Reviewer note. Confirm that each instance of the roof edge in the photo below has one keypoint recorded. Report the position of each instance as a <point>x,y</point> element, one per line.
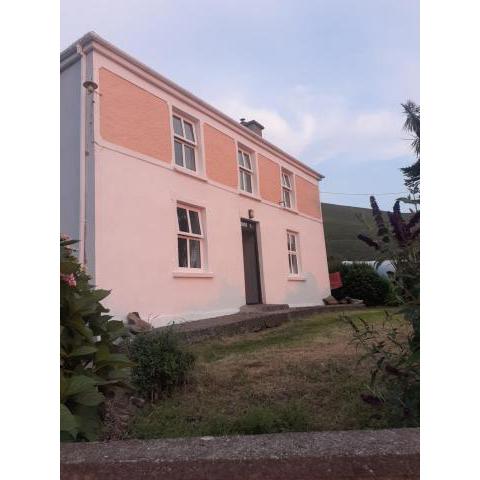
<point>94,37</point>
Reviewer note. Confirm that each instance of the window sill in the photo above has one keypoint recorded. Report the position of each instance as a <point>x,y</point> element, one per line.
<point>191,173</point>
<point>251,196</point>
<point>191,274</point>
<point>296,278</point>
<point>291,210</point>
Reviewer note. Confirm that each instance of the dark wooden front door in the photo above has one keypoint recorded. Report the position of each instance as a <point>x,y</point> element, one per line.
<point>250,262</point>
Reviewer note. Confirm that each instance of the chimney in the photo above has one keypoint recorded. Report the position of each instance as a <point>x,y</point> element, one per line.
<point>253,125</point>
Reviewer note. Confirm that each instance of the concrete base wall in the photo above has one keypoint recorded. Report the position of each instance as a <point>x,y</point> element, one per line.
<point>359,455</point>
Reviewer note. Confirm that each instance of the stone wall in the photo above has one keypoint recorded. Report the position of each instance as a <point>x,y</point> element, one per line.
<point>359,455</point>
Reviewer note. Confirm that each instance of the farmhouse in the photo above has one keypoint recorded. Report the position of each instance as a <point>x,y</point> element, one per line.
<point>181,211</point>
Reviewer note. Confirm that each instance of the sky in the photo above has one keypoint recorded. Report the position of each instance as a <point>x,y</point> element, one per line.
<point>325,77</point>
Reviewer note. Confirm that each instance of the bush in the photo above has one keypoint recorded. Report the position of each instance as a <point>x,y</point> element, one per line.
<point>161,362</point>
<point>395,374</point>
<point>362,281</point>
<point>90,365</point>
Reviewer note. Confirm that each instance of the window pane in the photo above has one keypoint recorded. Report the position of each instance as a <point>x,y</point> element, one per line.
<point>286,180</point>
<point>240,158</point>
<point>182,252</point>
<point>286,199</point>
<point>290,242</point>
<point>189,157</point>
<point>195,261</point>
<point>177,126</point>
<point>294,264</point>
<point>182,220</point>
<point>242,183</point>
<point>178,154</point>
<point>195,222</point>
<point>246,158</point>
<point>189,135</point>
<point>293,246</point>
<point>248,182</point>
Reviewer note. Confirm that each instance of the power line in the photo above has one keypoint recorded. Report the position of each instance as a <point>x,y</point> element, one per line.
<point>368,194</point>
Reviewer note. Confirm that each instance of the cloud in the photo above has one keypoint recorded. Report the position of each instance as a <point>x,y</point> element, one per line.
<point>290,134</point>
<point>318,128</point>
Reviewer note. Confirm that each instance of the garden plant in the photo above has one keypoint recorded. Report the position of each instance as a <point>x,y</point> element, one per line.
<point>91,366</point>
<point>395,376</point>
<point>161,362</point>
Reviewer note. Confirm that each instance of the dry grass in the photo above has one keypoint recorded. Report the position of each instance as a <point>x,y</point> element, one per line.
<point>303,375</point>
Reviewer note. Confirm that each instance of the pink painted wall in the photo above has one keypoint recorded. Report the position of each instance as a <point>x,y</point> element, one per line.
<point>137,188</point>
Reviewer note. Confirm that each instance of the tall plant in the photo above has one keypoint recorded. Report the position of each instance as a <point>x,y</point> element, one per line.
<point>412,125</point>
<point>90,364</point>
<point>395,376</point>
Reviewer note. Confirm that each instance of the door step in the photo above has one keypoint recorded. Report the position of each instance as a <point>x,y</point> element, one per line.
<point>262,307</point>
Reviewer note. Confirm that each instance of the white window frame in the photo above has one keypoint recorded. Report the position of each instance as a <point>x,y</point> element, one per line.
<point>191,236</point>
<point>244,171</point>
<point>185,142</point>
<point>287,189</point>
<point>293,253</point>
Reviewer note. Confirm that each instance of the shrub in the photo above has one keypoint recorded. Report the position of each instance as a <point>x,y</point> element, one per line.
<point>161,362</point>
<point>395,375</point>
<point>362,281</point>
<point>90,365</point>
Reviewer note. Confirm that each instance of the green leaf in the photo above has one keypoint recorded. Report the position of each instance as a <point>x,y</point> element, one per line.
<point>83,350</point>
<point>64,243</point>
<point>80,383</point>
<point>114,359</point>
<point>67,421</point>
<point>103,352</point>
<point>90,398</point>
<point>76,323</point>
<point>115,325</point>
<point>99,295</point>
<point>68,267</point>
<point>88,421</point>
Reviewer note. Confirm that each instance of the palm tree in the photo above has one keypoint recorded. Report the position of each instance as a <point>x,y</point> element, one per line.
<point>412,125</point>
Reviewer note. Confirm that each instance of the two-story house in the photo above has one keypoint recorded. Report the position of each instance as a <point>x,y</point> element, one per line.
<point>181,211</point>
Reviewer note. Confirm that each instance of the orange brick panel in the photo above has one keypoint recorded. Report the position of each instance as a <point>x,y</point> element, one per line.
<point>269,177</point>
<point>308,197</point>
<point>134,118</point>
<point>220,157</point>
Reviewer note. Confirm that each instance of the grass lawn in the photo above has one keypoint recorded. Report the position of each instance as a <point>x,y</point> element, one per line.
<point>303,375</point>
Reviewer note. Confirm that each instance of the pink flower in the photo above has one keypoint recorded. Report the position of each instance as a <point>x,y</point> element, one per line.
<point>69,279</point>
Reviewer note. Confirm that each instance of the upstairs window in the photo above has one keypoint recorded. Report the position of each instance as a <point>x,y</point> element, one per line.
<point>287,190</point>
<point>292,246</point>
<point>185,143</point>
<point>245,171</point>
<point>189,237</point>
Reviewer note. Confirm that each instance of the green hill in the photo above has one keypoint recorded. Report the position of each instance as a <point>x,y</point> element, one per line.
<point>342,224</point>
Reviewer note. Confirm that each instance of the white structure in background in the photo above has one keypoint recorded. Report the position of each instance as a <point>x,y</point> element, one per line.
<point>383,269</point>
